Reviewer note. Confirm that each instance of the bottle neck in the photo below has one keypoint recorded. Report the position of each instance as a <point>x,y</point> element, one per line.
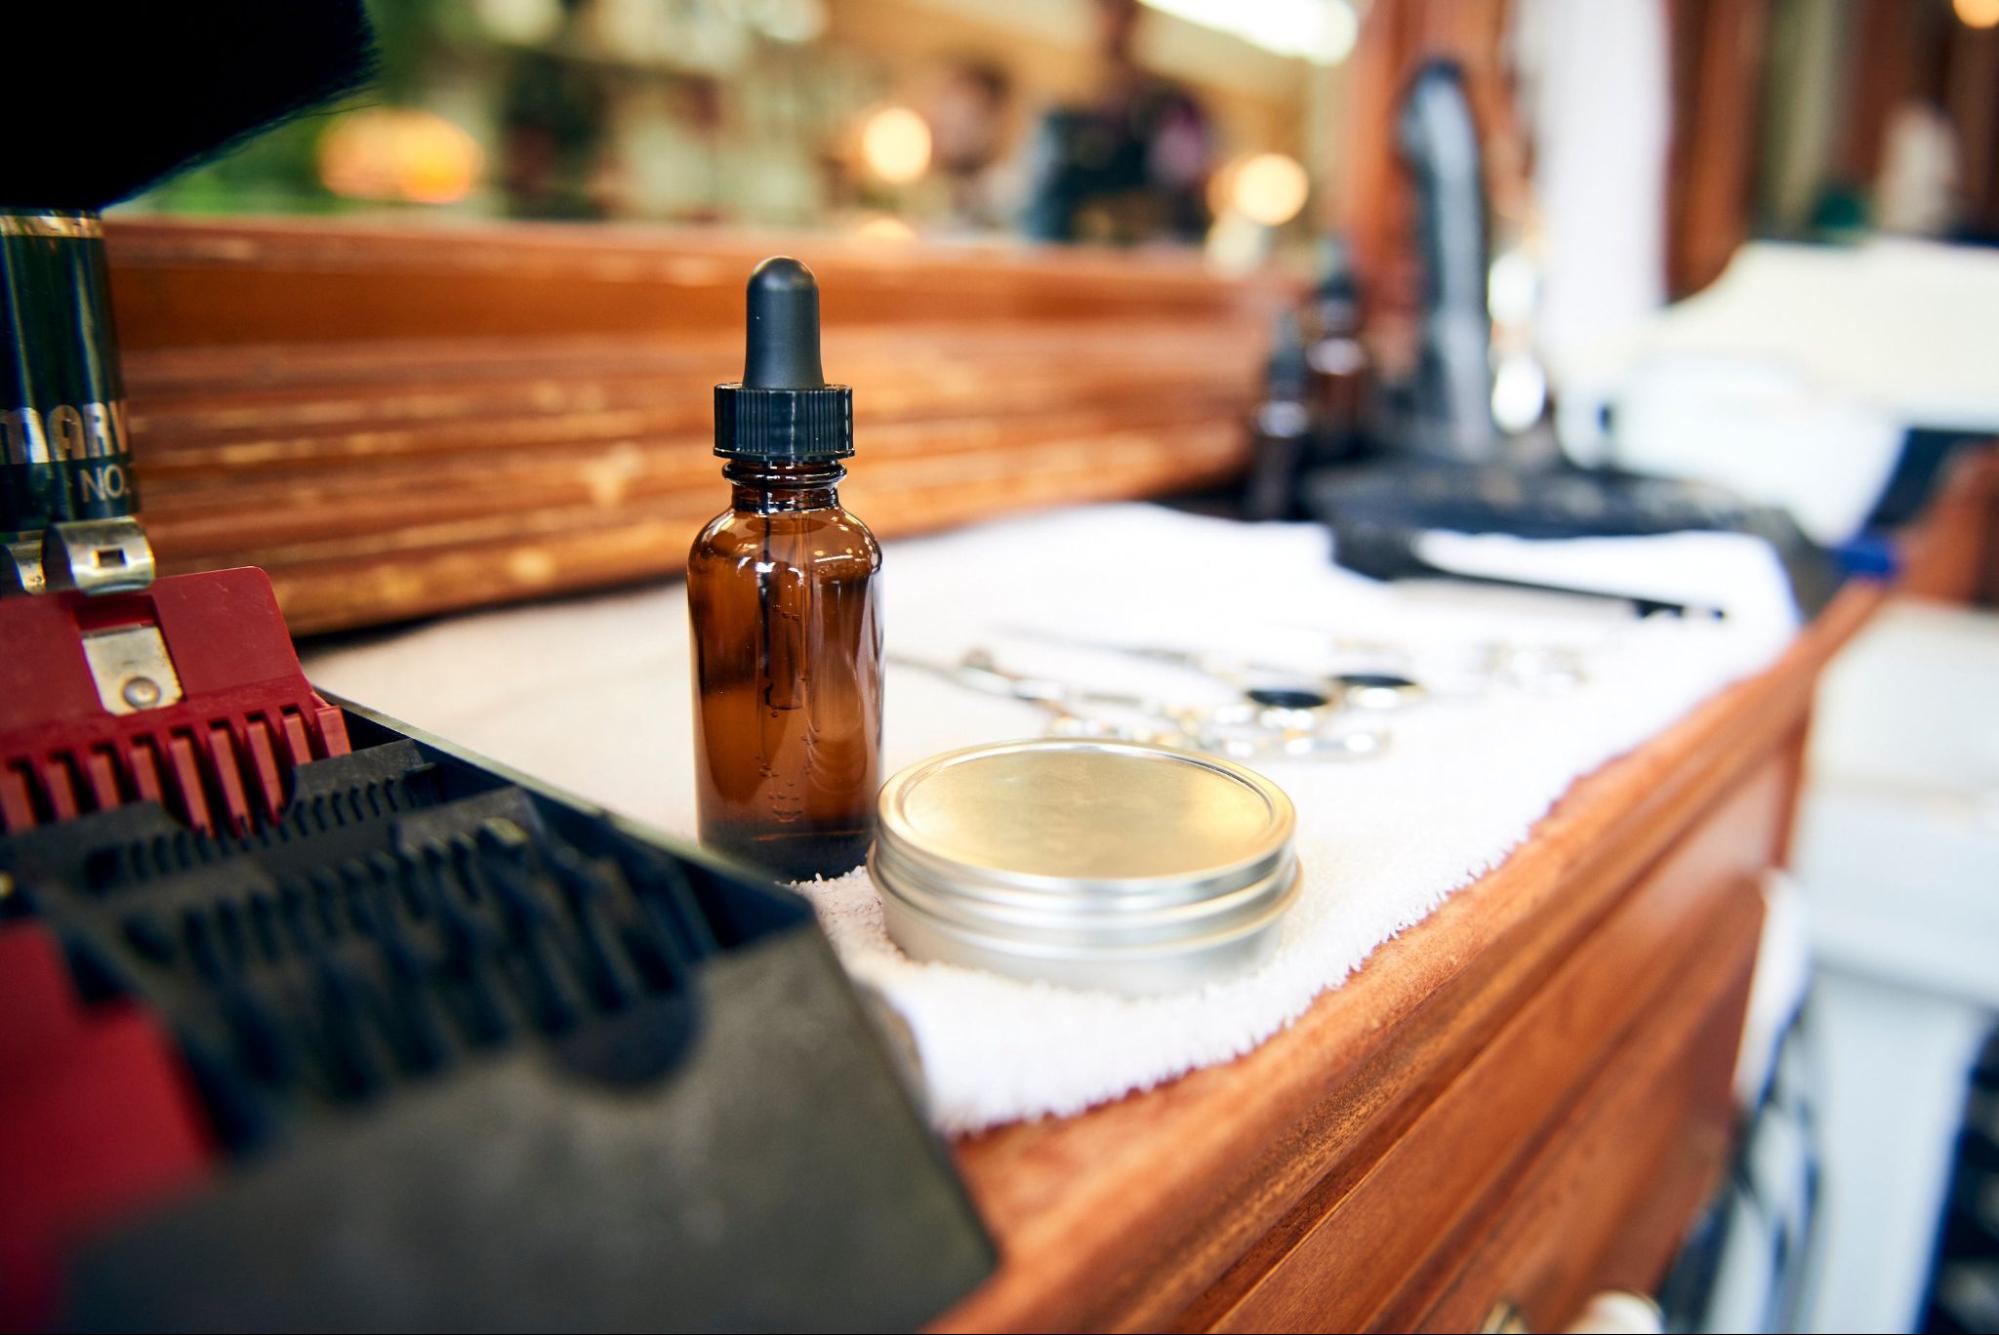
<point>766,486</point>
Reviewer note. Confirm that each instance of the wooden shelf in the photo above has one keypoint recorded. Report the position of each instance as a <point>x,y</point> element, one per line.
<point>396,422</point>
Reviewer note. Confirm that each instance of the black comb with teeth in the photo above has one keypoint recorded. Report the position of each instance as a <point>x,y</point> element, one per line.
<point>480,1055</point>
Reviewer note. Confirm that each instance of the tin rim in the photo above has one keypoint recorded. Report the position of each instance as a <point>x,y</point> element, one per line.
<point>1085,925</point>
<point>1110,954</point>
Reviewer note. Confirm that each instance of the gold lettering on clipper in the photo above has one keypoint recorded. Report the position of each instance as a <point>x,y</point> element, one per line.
<point>65,433</point>
<point>24,441</point>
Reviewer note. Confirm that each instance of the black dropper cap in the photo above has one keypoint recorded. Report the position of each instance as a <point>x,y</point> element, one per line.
<point>1287,374</point>
<point>782,408</point>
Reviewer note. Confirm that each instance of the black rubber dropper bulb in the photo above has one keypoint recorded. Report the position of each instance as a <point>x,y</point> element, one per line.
<point>782,342</point>
<point>782,408</point>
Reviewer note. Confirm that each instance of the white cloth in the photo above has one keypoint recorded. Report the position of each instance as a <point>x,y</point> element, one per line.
<point>1903,327</point>
<point>593,695</point>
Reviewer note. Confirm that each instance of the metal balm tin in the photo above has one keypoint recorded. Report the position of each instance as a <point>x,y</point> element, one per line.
<point>1090,863</point>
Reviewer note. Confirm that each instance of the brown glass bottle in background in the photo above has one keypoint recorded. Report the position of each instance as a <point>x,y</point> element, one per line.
<point>1340,385</point>
<point>786,629</point>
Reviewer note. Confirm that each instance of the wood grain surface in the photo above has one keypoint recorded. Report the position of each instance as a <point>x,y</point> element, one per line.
<point>396,422</point>
<point>1376,1256</point>
<point>1953,556</point>
<point>1171,1209</point>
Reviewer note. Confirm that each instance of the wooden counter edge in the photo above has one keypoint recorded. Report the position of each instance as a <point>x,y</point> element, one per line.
<point>1198,1170</point>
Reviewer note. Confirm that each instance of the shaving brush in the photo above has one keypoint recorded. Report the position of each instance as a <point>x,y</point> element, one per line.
<point>124,95</point>
<point>111,98</point>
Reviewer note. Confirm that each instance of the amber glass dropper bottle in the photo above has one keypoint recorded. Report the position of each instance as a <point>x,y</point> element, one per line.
<point>781,588</point>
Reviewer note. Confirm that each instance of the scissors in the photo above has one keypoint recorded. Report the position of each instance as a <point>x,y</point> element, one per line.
<point>1269,686</point>
<point>1539,669</point>
<point>1262,724</point>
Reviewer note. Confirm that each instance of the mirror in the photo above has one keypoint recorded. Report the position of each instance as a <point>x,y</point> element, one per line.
<point>1114,122</point>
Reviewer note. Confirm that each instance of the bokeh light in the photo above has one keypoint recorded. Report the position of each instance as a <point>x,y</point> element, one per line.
<point>1977,13</point>
<point>399,153</point>
<point>1322,31</point>
<point>1269,188</point>
<point>895,145</point>
<point>522,22</point>
<point>883,227</point>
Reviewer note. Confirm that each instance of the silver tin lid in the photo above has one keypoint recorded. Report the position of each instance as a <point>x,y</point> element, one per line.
<point>1088,862</point>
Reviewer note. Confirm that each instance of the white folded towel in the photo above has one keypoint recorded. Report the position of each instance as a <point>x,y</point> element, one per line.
<point>593,695</point>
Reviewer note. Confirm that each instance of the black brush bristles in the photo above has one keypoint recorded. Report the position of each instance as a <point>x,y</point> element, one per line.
<point>105,99</point>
